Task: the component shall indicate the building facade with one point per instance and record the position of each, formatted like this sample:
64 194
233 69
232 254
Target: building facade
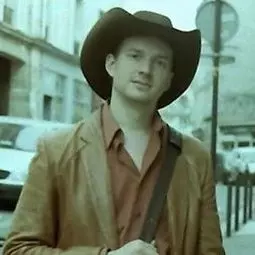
40 42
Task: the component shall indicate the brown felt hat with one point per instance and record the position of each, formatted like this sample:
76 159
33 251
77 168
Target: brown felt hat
115 26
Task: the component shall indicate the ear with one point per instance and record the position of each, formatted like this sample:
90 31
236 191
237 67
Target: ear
110 64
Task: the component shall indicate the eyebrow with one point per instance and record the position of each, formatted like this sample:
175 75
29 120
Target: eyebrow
134 49
140 51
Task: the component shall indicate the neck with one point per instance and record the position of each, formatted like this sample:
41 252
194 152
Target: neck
131 115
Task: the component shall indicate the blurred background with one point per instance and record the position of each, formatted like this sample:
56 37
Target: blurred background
42 89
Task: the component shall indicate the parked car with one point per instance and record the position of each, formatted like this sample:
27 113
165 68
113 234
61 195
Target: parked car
18 142
238 162
247 156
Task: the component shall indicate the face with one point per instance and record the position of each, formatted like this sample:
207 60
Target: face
141 71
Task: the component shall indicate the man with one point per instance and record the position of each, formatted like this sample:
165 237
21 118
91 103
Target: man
88 189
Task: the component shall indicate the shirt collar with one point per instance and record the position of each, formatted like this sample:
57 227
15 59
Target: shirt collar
111 127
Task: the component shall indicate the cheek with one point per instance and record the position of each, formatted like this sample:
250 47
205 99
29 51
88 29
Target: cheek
167 81
122 77
124 71
163 82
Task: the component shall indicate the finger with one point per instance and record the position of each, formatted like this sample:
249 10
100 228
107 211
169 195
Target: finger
151 251
152 246
153 242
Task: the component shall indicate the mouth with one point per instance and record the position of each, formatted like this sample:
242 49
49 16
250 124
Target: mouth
143 84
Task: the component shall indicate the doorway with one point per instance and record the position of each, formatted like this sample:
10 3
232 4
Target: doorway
5 72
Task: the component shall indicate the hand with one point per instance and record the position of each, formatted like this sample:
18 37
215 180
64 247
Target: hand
137 247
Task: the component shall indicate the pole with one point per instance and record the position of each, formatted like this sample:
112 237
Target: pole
216 63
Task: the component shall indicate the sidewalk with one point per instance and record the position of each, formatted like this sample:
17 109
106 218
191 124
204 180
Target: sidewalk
242 242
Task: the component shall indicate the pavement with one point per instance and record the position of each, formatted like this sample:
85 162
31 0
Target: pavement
221 197
241 242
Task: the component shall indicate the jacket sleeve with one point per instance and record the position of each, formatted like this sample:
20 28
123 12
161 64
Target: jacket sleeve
210 237
35 221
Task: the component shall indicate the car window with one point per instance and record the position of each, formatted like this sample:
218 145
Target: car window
8 134
28 137
21 137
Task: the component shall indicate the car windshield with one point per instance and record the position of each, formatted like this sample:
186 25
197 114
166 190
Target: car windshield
20 137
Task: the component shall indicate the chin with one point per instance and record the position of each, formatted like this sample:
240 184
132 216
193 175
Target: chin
141 100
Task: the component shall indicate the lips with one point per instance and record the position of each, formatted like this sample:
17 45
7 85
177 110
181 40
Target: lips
142 83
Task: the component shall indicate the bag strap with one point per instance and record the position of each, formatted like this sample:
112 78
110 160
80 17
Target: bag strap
174 147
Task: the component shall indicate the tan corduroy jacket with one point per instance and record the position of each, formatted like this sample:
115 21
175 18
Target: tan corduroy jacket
66 206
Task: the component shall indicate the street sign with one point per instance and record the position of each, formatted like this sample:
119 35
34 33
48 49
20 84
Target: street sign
205 21
224 59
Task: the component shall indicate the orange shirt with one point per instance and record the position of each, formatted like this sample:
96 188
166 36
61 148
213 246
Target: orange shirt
132 189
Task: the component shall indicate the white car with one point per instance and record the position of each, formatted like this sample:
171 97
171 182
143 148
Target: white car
18 142
245 155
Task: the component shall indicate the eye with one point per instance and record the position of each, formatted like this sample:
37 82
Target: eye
161 63
135 56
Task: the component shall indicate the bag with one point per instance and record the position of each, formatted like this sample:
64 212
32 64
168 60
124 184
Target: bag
159 195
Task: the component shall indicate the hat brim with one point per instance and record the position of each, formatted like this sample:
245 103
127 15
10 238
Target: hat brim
114 27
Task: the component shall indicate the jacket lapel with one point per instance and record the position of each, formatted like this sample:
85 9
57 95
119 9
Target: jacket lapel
178 203
98 177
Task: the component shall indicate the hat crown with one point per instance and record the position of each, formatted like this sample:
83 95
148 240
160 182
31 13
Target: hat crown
154 18
116 25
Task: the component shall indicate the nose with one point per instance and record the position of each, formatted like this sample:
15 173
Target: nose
145 66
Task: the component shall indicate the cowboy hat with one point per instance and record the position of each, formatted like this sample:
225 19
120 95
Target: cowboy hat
115 26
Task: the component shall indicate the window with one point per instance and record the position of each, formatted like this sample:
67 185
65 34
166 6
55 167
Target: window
229 145
60 85
82 100
243 144
54 90
8 15
59 100
80 92
47 107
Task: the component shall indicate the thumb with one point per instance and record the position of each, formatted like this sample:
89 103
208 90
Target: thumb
153 242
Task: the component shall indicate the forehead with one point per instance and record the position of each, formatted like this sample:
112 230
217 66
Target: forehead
143 43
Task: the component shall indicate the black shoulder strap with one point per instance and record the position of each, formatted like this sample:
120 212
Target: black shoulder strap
161 188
